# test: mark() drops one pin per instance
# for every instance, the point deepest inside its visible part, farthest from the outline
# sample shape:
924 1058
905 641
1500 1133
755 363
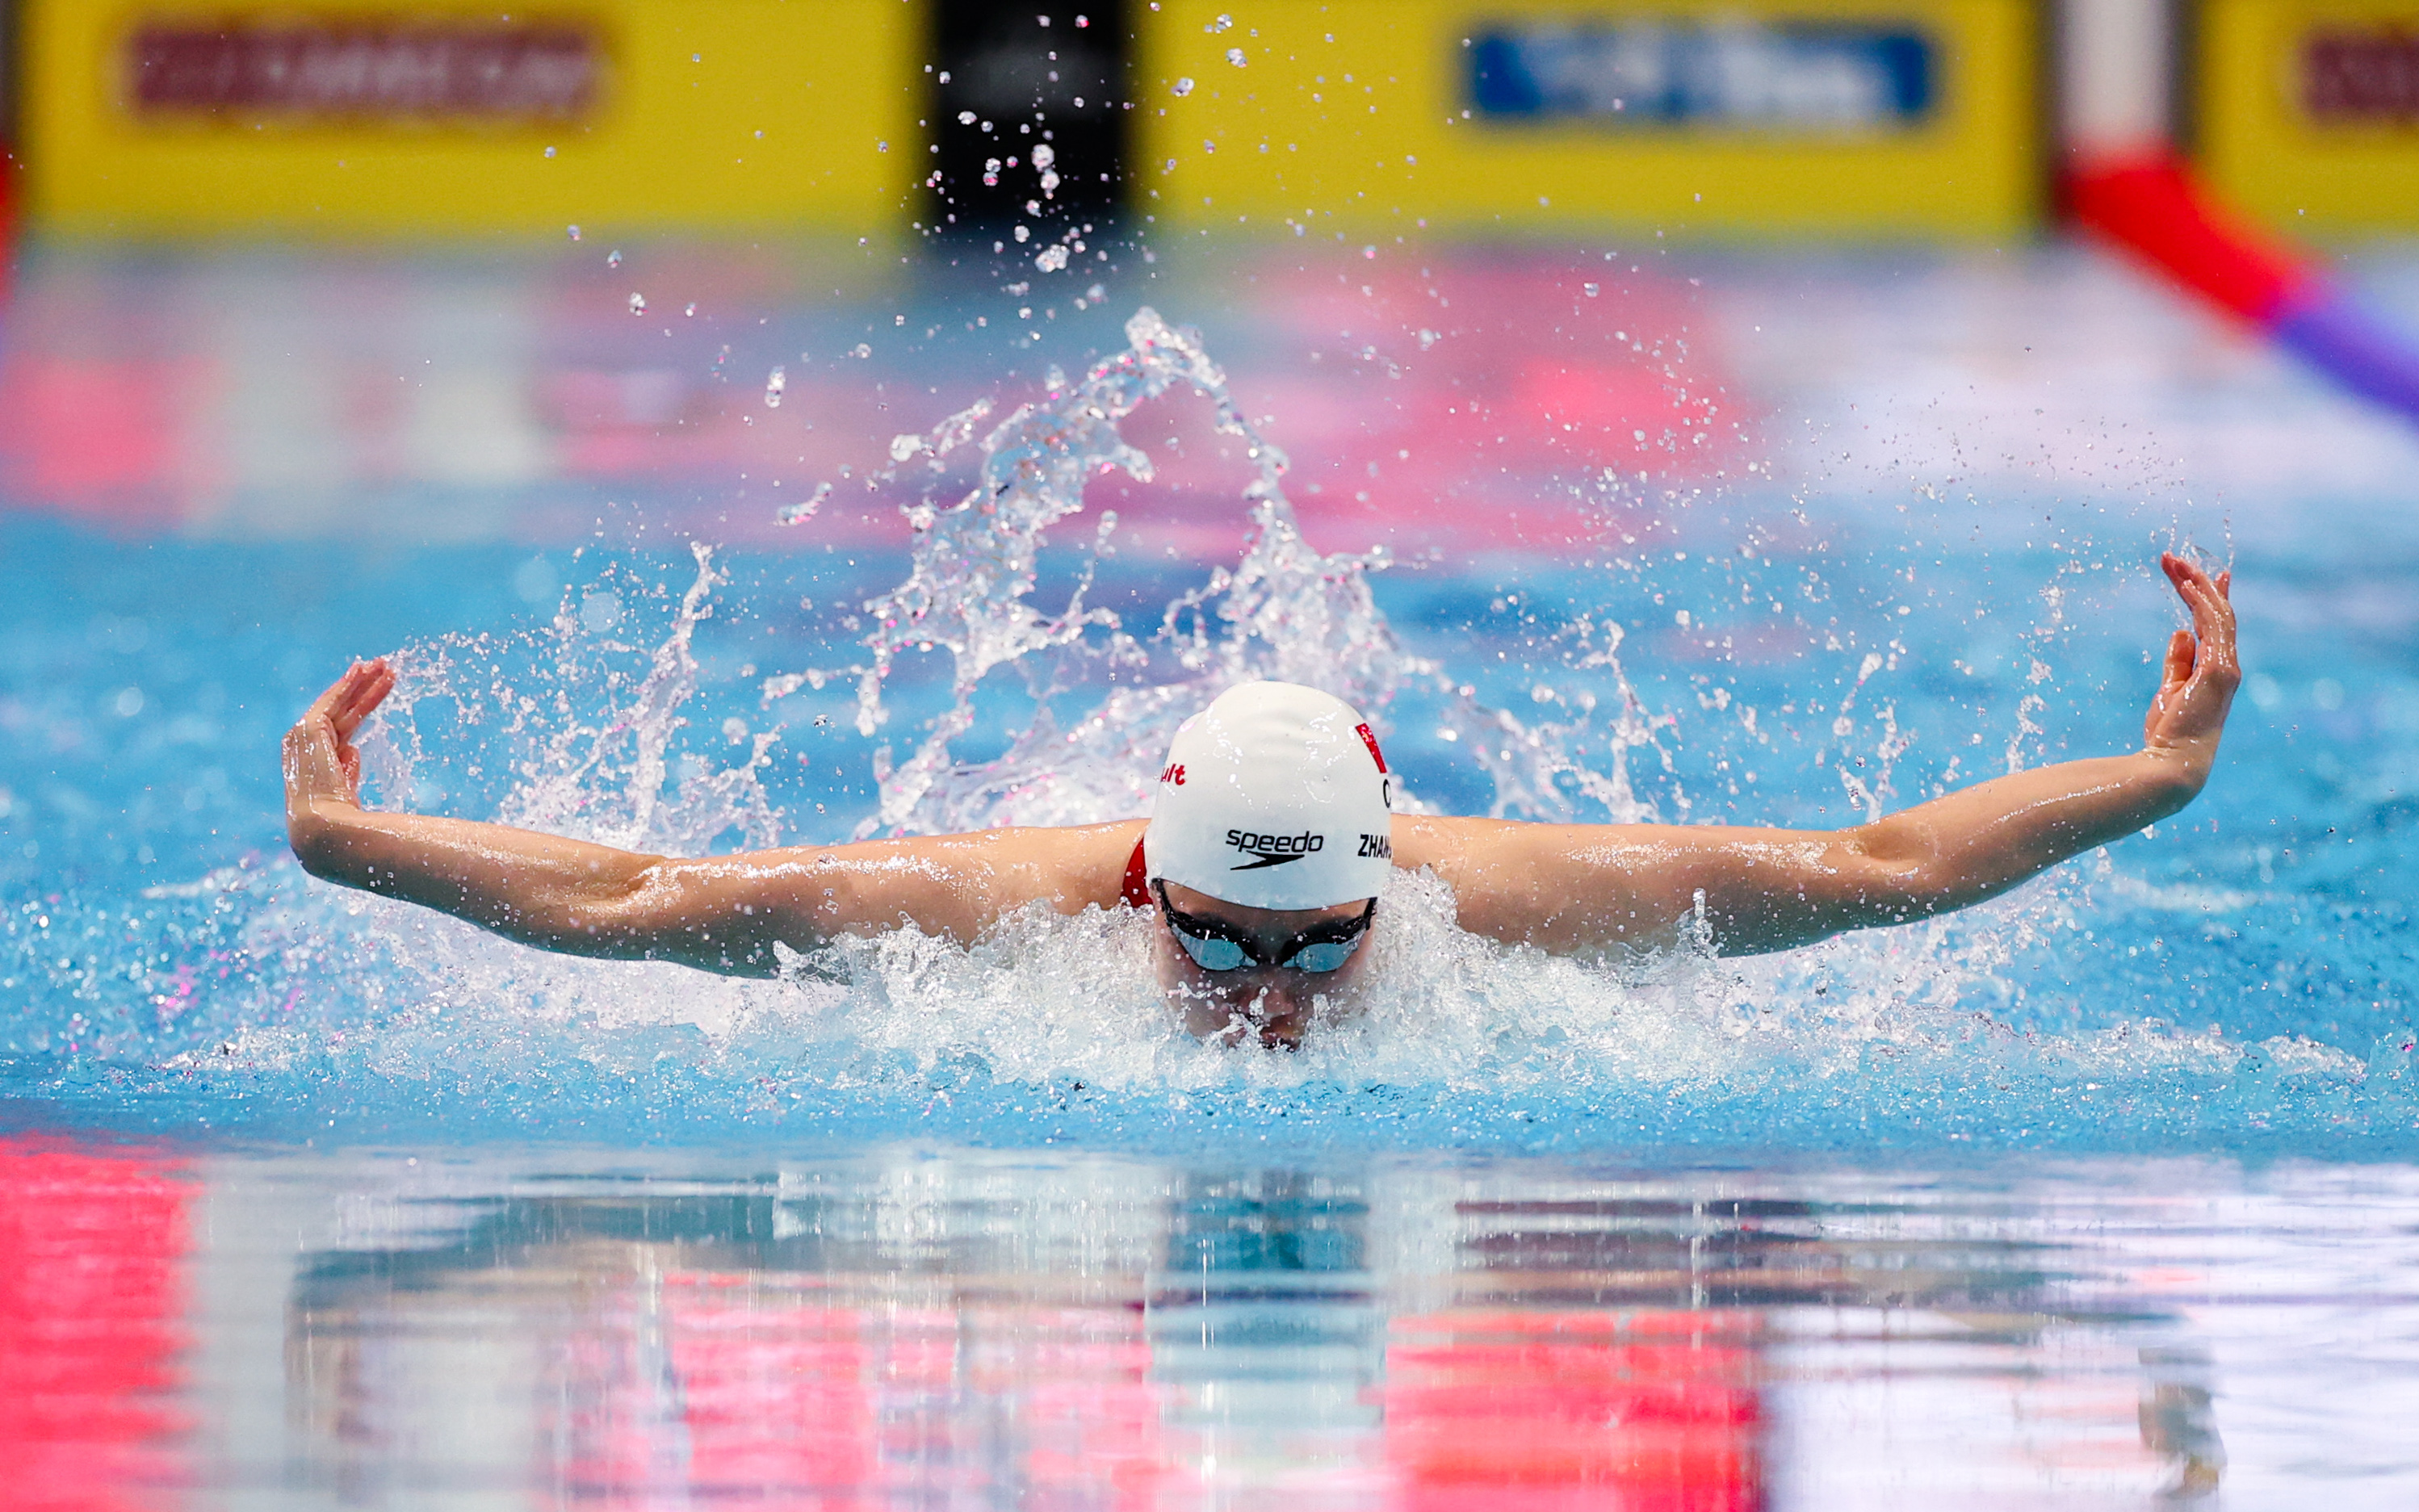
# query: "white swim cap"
1274 796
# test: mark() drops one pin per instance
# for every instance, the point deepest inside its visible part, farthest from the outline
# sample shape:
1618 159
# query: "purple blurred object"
2332 331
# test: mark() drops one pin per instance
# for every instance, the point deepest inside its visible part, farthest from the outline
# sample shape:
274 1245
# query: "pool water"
912 1326
2086 1195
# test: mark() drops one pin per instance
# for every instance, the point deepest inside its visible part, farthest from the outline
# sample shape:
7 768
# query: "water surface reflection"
924 1329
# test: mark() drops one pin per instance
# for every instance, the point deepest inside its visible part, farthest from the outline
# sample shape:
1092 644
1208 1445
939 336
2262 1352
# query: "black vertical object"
1009 78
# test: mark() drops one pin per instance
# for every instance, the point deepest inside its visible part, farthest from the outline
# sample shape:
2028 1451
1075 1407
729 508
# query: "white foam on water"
325 997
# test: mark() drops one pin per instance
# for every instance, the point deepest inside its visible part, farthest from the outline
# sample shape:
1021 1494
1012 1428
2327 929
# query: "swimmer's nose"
1279 1007
1278 994
1272 1005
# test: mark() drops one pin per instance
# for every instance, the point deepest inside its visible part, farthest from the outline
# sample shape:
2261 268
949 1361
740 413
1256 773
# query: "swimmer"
1268 845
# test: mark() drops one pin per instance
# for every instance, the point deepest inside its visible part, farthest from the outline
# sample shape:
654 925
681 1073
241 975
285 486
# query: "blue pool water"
1883 569
2237 980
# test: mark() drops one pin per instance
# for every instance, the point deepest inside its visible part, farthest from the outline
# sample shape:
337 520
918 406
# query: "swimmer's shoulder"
1497 853
1443 843
1074 866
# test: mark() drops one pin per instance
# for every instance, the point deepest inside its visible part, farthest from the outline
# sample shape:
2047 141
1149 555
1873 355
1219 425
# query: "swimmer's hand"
1581 888
2202 673
322 765
729 914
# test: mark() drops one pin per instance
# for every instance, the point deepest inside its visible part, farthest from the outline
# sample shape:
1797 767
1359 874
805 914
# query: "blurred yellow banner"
2309 111
440 117
1851 117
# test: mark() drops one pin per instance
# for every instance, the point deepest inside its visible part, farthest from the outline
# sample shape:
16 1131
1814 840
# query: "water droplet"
1222 22
613 259
534 583
637 304
1044 155
1590 289
691 310
1234 55
774 384
1183 88
796 513
573 231
864 350
1023 233
1051 259
965 118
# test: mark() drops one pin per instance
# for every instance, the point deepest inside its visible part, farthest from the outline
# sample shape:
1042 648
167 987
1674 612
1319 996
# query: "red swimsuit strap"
1137 890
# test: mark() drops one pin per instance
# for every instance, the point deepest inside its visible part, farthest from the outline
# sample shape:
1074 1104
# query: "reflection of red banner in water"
766 1391
419 70
770 1387
91 1283
1543 1412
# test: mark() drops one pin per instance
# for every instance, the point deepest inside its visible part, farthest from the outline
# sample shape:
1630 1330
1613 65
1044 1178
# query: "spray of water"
1284 612
261 992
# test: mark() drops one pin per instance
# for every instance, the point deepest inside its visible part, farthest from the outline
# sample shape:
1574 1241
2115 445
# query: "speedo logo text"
1273 849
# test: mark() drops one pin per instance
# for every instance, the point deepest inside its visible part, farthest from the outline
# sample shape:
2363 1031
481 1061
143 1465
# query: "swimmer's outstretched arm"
1583 888
723 914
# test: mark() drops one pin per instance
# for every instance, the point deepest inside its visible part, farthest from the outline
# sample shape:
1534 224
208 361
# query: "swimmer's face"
1273 1004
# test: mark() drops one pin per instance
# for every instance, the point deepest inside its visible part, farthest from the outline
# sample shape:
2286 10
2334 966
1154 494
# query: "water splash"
594 775
257 995
1108 699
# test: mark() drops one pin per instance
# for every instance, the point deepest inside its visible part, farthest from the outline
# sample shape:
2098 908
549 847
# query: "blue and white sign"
1795 79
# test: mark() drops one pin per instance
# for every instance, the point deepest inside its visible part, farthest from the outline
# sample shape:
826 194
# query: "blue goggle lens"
1325 956
1212 954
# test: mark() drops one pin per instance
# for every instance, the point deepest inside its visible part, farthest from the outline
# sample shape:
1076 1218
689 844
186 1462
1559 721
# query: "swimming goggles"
1217 946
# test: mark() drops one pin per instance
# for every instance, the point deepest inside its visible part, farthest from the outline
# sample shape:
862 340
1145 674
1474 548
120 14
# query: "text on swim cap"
1175 774
1273 849
1244 839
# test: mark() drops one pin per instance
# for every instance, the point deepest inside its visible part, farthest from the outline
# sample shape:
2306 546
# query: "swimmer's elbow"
668 910
627 915
1886 873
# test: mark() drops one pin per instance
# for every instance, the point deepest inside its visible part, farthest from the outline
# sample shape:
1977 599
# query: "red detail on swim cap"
1137 888
1174 772
1371 741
